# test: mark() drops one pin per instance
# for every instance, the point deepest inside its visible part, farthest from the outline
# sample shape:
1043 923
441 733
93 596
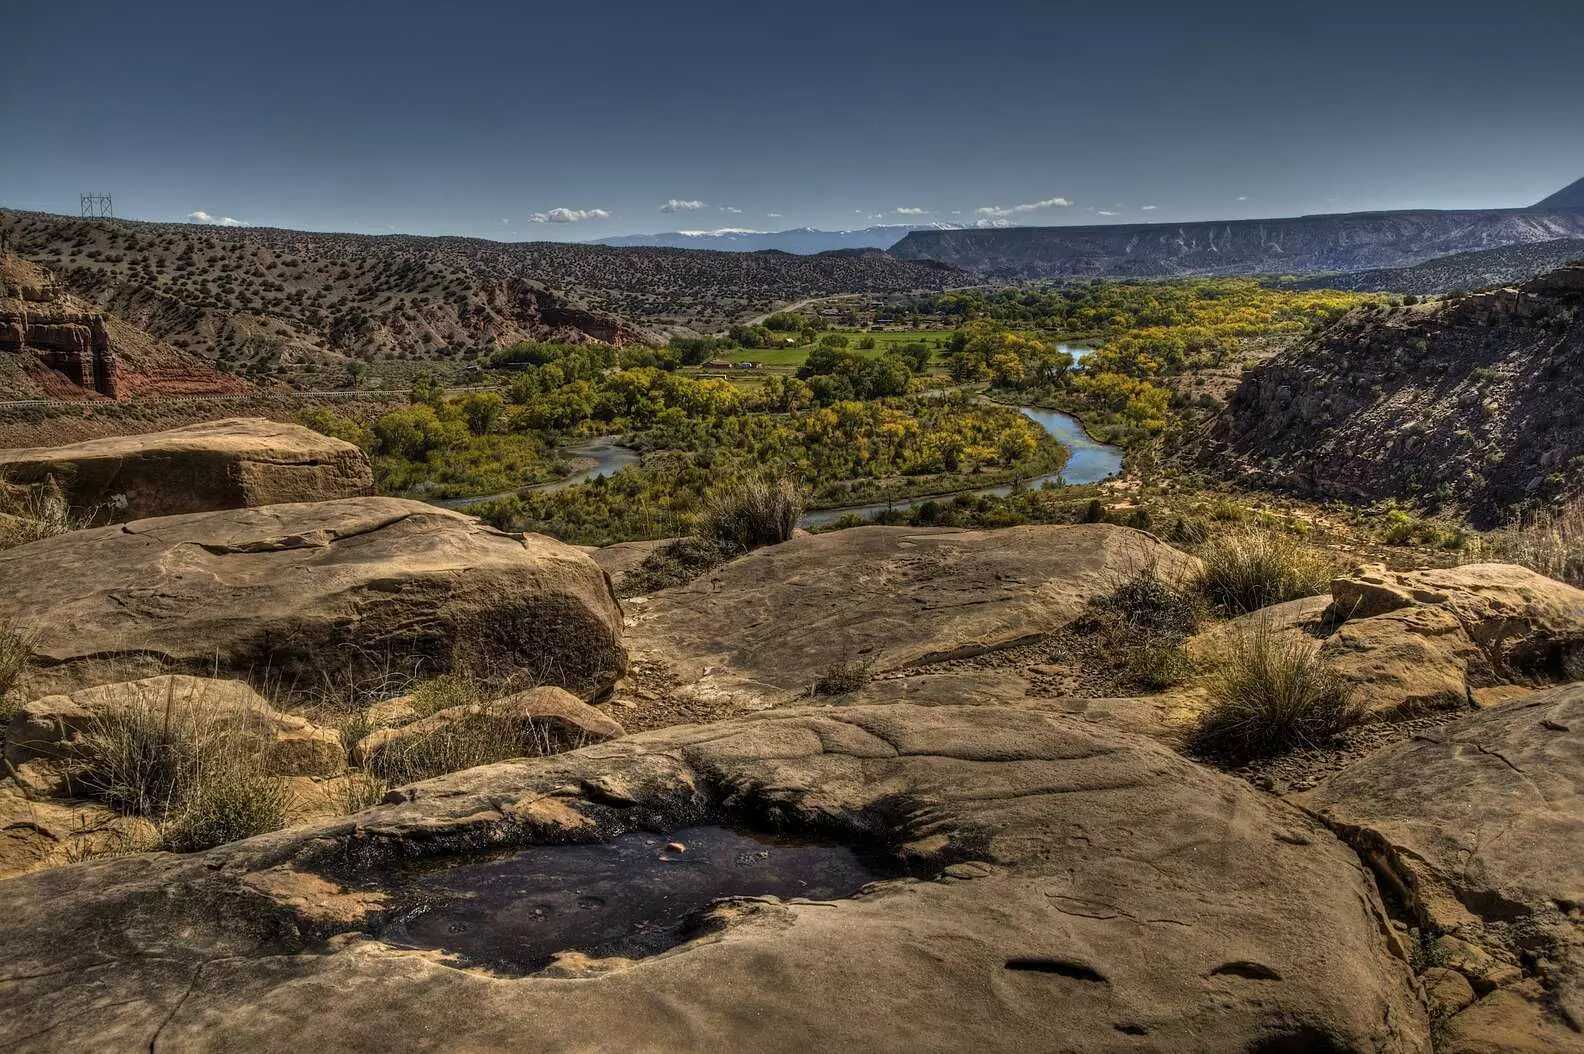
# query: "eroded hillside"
54 345
1469 403
262 295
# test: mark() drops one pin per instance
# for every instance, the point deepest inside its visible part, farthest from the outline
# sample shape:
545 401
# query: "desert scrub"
1549 543
16 647
840 678
189 772
753 513
1147 619
31 513
469 740
1270 693
673 564
1249 569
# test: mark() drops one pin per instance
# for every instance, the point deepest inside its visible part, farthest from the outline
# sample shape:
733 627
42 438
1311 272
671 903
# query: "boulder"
38 832
52 727
231 464
1414 641
1068 887
298 594
1480 826
1525 623
555 716
766 626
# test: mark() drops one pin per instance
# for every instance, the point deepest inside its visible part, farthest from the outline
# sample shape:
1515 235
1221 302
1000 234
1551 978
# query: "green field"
796 356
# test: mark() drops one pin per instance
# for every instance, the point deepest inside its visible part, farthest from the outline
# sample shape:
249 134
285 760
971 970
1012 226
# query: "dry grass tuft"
1249 569
188 771
1271 693
470 741
1550 543
753 513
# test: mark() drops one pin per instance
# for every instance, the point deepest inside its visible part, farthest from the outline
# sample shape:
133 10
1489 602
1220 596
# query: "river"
1091 461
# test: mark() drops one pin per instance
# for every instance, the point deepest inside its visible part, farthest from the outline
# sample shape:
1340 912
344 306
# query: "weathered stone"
1446 991
52 727
767 625
230 464
296 593
1513 1020
559 718
40 832
1124 898
1480 826
1413 641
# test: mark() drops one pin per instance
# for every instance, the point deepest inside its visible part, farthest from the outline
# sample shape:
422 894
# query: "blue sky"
578 121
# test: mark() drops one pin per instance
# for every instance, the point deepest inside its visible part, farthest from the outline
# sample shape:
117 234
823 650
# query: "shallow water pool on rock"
633 896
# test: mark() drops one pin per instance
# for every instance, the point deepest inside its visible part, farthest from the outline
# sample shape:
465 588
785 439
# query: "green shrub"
753 513
1250 569
1270 693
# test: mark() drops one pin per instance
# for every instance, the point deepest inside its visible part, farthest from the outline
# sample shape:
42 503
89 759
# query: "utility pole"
96 207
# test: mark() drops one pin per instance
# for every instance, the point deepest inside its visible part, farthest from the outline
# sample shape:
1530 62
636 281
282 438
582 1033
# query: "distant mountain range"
800 240
1569 197
1508 265
1298 245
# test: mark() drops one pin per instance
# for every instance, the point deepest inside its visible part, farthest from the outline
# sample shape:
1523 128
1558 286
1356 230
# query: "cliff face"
53 346
1299 245
1470 403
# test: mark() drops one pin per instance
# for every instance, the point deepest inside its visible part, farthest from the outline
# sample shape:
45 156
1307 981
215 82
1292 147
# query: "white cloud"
997 222
1148 208
731 209
773 215
997 211
219 221
905 210
678 205
1107 212
1242 197
569 215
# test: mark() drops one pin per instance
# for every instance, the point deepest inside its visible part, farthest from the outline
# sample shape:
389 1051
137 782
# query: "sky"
530 120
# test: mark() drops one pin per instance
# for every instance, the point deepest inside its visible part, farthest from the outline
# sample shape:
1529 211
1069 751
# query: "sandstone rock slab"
557 719
296 594
1480 824
230 464
1073 888
768 624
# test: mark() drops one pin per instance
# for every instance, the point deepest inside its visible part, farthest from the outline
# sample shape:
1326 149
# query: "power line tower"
97 206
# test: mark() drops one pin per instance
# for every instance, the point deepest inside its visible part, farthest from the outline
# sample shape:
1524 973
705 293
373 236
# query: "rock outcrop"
229 464
50 729
1479 826
769 624
1470 403
1443 638
1072 889
54 345
293 594
553 718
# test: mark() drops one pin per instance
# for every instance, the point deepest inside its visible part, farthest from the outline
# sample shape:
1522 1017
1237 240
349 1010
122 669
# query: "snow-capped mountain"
802 240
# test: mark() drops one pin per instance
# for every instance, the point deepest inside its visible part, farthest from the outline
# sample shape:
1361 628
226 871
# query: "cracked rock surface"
288 592
1074 888
1480 823
765 626
230 464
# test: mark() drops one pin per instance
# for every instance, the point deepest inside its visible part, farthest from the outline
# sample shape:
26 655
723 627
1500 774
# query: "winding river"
1091 461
